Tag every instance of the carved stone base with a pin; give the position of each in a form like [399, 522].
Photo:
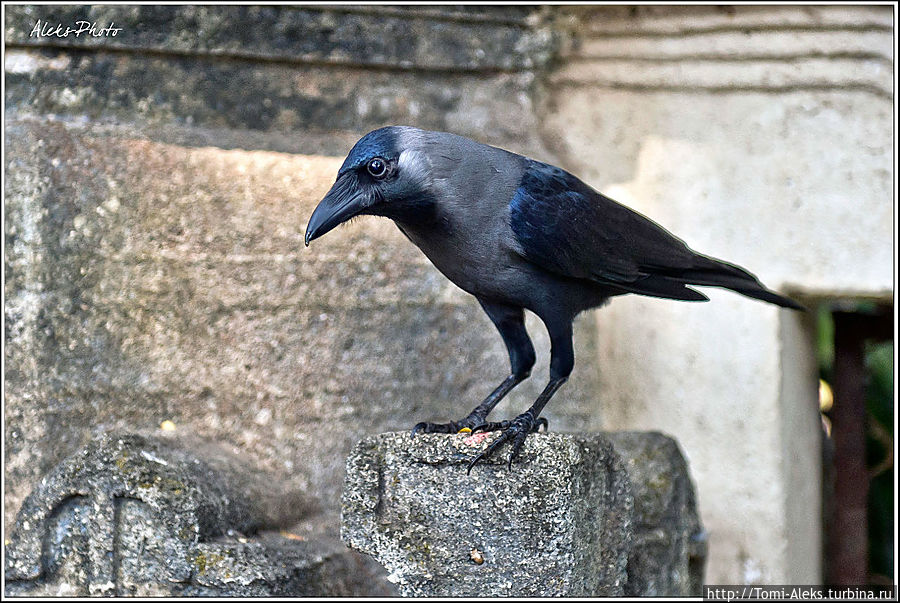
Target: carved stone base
[133, 515]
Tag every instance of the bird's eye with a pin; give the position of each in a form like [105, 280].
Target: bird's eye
[377, 167]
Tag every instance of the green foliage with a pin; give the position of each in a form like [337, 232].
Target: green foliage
[825, 341]
[880, 410]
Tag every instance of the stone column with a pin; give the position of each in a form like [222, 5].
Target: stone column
[578, 515]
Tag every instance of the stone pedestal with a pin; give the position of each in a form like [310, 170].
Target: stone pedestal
[577, 515]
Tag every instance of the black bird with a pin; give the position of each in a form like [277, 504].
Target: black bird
[517, 234]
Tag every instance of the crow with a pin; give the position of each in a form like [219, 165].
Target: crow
[517, 234]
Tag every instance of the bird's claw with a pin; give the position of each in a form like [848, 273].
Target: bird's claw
[464, 425]
[514, 431]
[420, 427]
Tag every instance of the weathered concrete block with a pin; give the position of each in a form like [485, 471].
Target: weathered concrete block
[297, 69]
[578, 515]
[133, 515]
[558, 524]
[668, 551]
[437, 38]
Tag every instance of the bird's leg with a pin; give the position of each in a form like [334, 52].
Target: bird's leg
[510, 321]
[562, 359]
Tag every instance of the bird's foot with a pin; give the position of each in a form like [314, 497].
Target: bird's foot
[503, 425]
[467, 424]
[514, 431]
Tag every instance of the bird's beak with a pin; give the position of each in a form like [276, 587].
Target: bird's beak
[341, 203]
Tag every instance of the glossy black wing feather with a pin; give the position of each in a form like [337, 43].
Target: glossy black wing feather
[568, 228]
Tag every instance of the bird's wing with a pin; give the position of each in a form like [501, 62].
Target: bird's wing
[568, 228]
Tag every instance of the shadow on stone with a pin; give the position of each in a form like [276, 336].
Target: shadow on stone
[668, 553]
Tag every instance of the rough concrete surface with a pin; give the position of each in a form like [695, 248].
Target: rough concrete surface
[557, 525]
[283, 70]
[577, 515]
[152, 516]
[668, 550]
[452, 38]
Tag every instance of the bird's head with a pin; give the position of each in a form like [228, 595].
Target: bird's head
[385, 170]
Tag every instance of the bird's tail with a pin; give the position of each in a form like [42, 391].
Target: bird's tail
[716, 273]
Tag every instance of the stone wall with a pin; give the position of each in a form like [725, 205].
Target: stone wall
[261, 76]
